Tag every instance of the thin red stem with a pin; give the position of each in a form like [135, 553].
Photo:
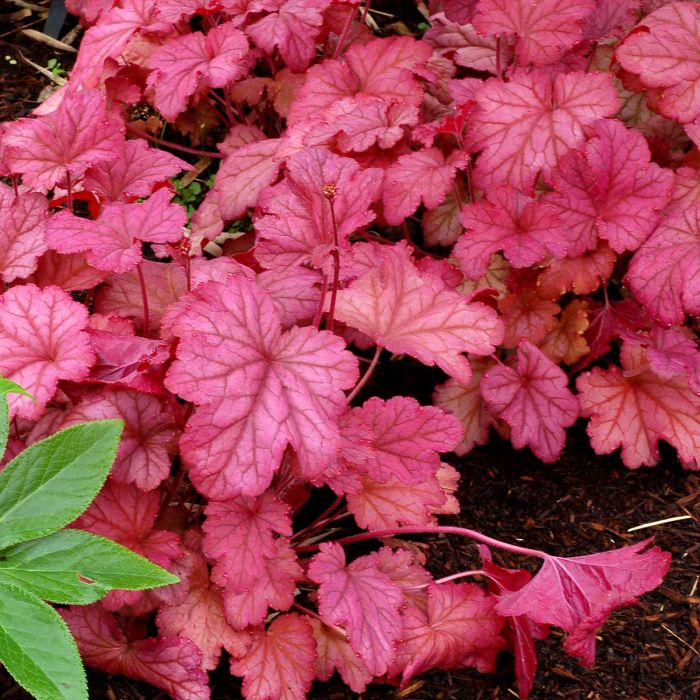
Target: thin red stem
[144, 300]
[336, 269]
[321, 301]
[499, 68]
[314, 525]
[432, 530]
[344, 33]
[170, 144]
[69, 192]
[365, 377]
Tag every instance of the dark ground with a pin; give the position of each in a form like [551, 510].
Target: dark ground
[582, 504]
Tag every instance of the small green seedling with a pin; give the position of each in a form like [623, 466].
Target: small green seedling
[42, 490]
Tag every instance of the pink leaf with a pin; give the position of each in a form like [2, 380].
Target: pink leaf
[610, 19]
[662, 53]
[65, 143]
[544, 28]
[22, 222]
[581, 275]
[296, 296]
[635, 408]
[665, 272]
[42, 341]
[671, 353]
[441, 226]
[611, 190]
[361, 599]
[404, 569]
[459, 628]
[191, 60]
[465, 402]
[134, 173]
[172, 664]
[534, 400]
[265, 390]
[527, 315]
[293, 29]
[421, 175]
[397, 439]
[239, 532]
[298, 225]
[524, 229]
[526, 125]
[113, 241]
[280, 663]
[578, 593]
[407, 312]
[69, 272]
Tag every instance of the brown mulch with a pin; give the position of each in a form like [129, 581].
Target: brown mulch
[584, 503]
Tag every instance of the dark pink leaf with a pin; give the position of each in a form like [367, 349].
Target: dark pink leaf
[543, 28]
[581, 275]
[362, 600]
[527, 315]
[113, 241]
[421, 175]
[610, 189]
[64, 143]
[578, 593]
[69, 272]
[397, 439]
[259, 389]
[662, 53]
[610, 19]
[506, 219]
[189, 61]
[665, 272]
[42, 340]
[534, 400]
[293, 29]
[460, 628]
[407, 312]
[22, 222]
[134, 173]
[172, 664]
[634, 408]
[280, 664]
[526, 125]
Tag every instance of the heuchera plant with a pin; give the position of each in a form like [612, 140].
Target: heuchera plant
[513, 198]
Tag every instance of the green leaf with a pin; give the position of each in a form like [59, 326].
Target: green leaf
[37, 648]
[7, 387]
[77, 567]
[52, 482]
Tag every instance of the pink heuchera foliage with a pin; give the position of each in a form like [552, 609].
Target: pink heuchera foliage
[578, 593]
[533, 399]
[65, 143]
[42, 340]
[672, 352]
[362, 600]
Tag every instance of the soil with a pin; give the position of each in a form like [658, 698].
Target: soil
[584, 503]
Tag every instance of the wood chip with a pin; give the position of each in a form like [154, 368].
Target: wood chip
[659, 522]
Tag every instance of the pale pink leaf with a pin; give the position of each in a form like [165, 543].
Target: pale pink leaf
[526, 125]
[672, 352]
[22, 222]
[665, 272]
[259, 389]
[397, 439]
[534, 400]
[280, 664]
[296, 296]
[506, 219]
[239, 532]
[578, 593]
[64, 143]
[407, 312]
[459, 628]
[297, 225]
[172, 664]
[42, 341]
[69, 272]
[404, 569]
[186, 62]
[465, 402]
[113, 240]
[293, 29]
[421, 175]
[362, 600]
[610, 189]
[544, 28]
[663, 53]
[634, 408]
[134, 173]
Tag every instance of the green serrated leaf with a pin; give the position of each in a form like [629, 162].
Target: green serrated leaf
[52, 482]
[77, 567]
[7, 387]
[37, 648]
